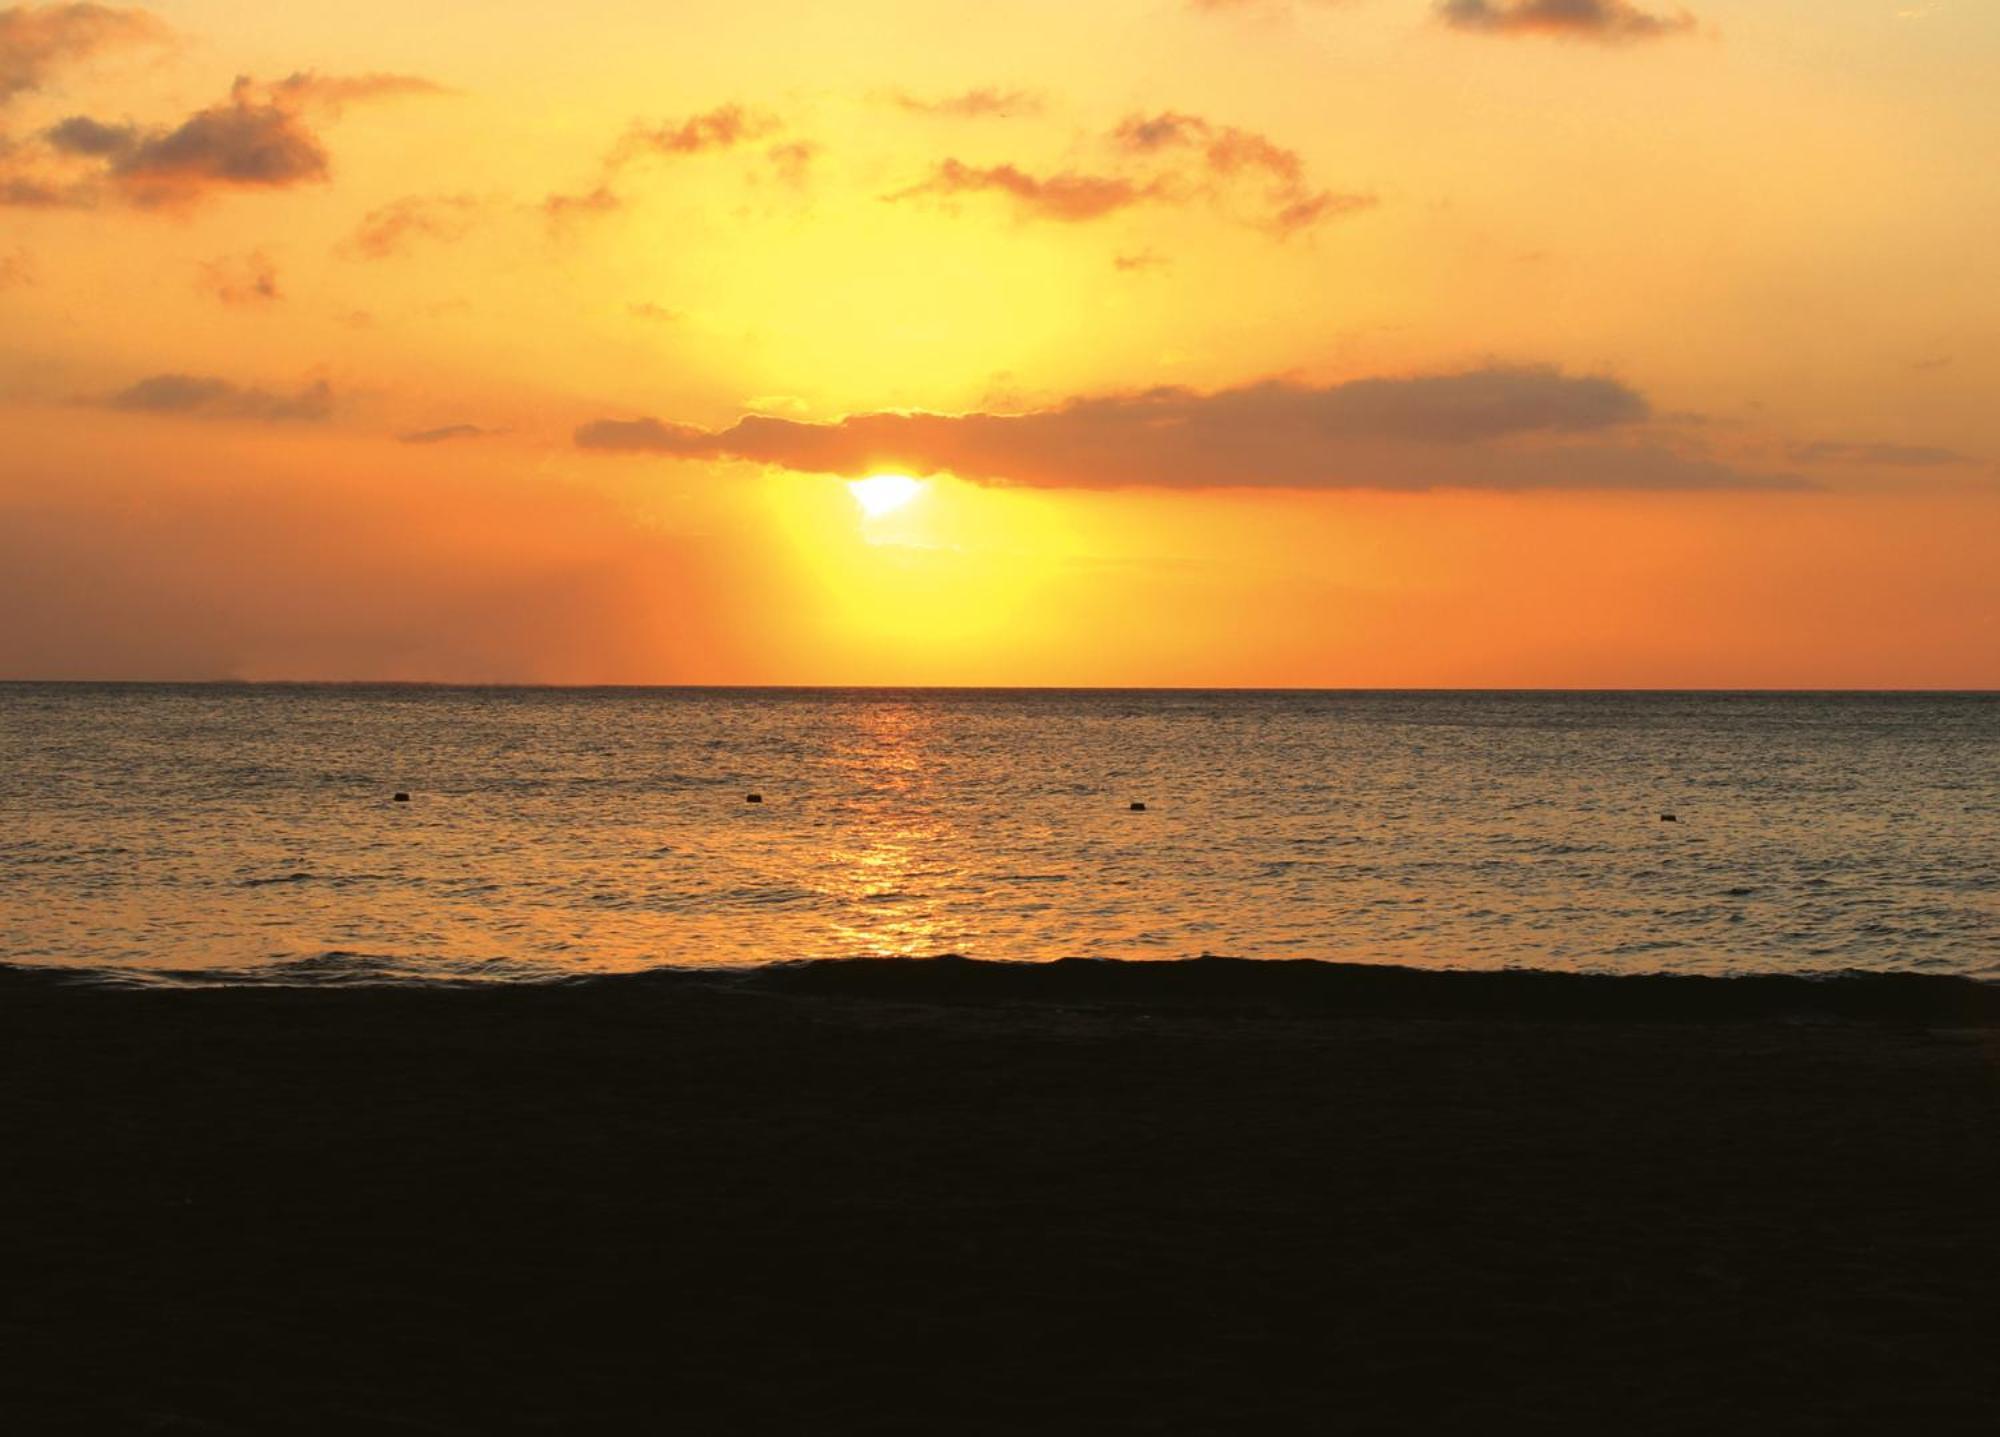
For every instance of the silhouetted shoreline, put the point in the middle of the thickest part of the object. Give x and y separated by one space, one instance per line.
944 1196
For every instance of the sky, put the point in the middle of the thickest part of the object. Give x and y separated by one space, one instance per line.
1287 343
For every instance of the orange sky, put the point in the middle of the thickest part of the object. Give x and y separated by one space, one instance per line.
1235 342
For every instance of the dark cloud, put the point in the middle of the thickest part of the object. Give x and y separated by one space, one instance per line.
981 104
1068 196
1144 259
1500 428
1602 20
252 140
210 398
1286 203
38 40
447 432
35 192
81 135
1907 456
391 229
261 137
250 280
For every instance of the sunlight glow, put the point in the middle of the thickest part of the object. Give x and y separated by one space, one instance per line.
881 494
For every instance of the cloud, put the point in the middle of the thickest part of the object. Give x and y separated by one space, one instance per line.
1151 147
391 229
1495 428
446 433
36 41
207 397
1907 456
16 269
252 279
792 160
1140 260
559 209
653 313
1069 197
723 128
261 137
982 104
1288 203
1215 7
719 129
250 141
81 135
1607 21
335 92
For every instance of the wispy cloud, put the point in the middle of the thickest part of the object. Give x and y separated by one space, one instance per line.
1899 456
38 41
1167 157
722 128
1228 152
986 103
444 434
712 131
394 228
1067 196
250 279
207 397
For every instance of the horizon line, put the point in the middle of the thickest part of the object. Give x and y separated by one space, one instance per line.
689 687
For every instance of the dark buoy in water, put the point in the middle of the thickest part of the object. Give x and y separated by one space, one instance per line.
1670 818
1138 808
753 798
402 798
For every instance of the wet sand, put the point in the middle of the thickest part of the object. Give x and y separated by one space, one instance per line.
951 1198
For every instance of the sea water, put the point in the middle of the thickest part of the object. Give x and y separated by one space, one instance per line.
239 830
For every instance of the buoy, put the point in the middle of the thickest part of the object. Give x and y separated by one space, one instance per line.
1670 818
1138 808
402 798
753 798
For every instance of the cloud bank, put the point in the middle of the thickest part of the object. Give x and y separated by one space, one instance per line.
1606 21
1495 428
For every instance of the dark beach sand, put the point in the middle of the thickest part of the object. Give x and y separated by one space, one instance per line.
947 1198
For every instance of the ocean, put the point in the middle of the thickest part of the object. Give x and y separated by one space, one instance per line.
180 833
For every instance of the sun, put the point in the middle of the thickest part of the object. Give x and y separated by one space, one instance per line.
881 494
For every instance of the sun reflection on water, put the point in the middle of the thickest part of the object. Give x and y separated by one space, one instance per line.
888 882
